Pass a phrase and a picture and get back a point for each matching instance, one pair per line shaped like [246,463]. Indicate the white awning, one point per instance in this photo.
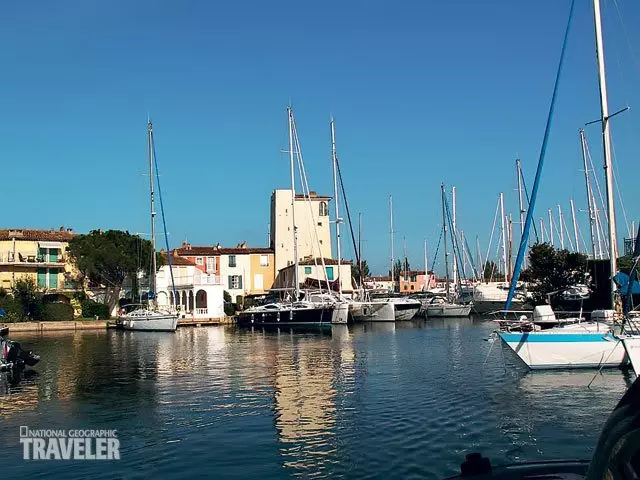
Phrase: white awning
[50,245]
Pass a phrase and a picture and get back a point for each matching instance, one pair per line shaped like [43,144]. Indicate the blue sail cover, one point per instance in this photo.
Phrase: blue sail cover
[622,281]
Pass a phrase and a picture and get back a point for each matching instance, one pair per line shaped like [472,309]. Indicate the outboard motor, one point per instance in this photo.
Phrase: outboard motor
[12,355]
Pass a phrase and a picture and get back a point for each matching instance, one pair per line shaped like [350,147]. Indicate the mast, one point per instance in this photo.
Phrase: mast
[444,241]
[541,230]
[592,217]
[296,283]
[152,287]
[479,258]
[426,267]
[575,225]
[510,269]
[520,202]
[360,248]
[606,142]
[551,227]
[561,220]
[334,160]
[454,236]
[393,285]
[504,235]
[404,253]
[464,257]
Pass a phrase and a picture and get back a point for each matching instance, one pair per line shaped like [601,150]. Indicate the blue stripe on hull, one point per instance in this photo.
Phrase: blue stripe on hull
[556,337]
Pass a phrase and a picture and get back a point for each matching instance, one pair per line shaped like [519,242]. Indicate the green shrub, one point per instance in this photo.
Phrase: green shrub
[13,309]
[58,311]
[91,309]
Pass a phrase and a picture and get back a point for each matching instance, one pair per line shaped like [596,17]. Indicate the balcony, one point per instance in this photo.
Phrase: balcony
[30,260]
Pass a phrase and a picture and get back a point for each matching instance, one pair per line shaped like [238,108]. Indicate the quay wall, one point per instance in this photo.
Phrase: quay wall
[41,327]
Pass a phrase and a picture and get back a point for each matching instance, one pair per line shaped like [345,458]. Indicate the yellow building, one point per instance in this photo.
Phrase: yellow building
[39,254]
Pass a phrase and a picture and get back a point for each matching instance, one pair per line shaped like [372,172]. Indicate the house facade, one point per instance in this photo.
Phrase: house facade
[379,283]
[197,294]
[37,254]
[310,272]
[312,222]
[416,281]
[241,270]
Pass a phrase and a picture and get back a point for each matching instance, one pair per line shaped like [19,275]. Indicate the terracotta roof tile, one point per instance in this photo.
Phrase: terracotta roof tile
[327,261]
[37,235]
[212,251]
[177,261]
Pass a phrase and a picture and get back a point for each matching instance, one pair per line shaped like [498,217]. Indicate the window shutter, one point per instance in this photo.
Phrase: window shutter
[230,282]
[239,281]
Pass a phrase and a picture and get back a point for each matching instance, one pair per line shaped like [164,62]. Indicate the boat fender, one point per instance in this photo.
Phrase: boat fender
[475,464]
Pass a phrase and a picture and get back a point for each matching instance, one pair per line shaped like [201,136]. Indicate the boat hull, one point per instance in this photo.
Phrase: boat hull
[405,311]
[372,312]
[307,316]
[487,306]
[632,348]
[448,311]
[168,323]
[541,351]
[340,313]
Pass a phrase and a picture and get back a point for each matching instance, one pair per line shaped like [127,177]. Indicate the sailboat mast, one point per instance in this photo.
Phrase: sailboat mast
[360,249]
[152,286]
[334,160]
[606,142]
[393,285]
[296,283]
[444,241]
[551,227]
[454,235]
[504,236]
[561,220]
[426,268]
[520,201]
[592,217]
[575,226]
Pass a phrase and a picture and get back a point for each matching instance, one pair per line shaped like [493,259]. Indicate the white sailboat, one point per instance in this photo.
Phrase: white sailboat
[438,306]
[150,317]
[588,344]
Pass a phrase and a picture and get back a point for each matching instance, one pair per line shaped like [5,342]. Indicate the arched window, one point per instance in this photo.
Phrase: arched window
[324,209]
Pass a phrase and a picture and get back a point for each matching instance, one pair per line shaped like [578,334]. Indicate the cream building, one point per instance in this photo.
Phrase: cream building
[310,274]
[38,254]
[312,221]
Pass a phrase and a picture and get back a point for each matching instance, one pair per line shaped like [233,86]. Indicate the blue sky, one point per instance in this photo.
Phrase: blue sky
[421,92]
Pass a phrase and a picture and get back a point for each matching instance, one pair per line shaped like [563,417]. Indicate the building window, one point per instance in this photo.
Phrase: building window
[411,287]
[307,270]
[211,264]
[319,224]
[235,282]
[232,260]
[324,209]
[199,261]
[264,260]
[329,273]
[406,287]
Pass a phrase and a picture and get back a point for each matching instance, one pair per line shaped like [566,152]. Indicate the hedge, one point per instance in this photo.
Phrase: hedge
[90,309]
[57,311]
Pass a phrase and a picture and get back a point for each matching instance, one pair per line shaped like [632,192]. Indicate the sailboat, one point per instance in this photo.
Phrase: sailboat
[313,309]
[585,344]
[150,317]
[438,306]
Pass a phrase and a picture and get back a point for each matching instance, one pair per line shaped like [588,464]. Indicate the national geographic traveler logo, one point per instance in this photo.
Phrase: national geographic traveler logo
[69,444]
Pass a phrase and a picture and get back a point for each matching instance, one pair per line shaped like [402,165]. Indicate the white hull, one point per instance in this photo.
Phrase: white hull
[632,347]
[403,314]
[448,310]
[372,312]
[340,313]
[157,323]
[571,349]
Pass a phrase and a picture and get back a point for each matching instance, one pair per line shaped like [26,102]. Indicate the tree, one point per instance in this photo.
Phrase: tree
[553,270]
[356,274]
[491,272]
[399,267]
[26,294]
[108,258]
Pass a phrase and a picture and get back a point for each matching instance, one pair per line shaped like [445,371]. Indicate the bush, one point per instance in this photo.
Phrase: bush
[13,309]
[58,311]
[90,309]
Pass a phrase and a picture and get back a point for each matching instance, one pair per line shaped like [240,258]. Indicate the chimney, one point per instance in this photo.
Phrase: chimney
[69,230]
[62,228]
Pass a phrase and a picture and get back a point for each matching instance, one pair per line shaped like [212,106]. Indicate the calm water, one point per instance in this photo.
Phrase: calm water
[382,401]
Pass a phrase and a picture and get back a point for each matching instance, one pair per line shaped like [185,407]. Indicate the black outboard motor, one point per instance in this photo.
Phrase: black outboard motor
[12,355]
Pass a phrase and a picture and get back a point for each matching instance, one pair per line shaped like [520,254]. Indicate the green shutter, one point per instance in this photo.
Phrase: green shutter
[230,278]
[240,282]
[330,273]
[42,277]
[53,254]
[53,278]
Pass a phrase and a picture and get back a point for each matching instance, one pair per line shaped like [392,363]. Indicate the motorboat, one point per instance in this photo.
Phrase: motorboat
[12,356]
[404,308]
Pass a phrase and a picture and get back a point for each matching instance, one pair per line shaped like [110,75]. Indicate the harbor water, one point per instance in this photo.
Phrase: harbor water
[404,400]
